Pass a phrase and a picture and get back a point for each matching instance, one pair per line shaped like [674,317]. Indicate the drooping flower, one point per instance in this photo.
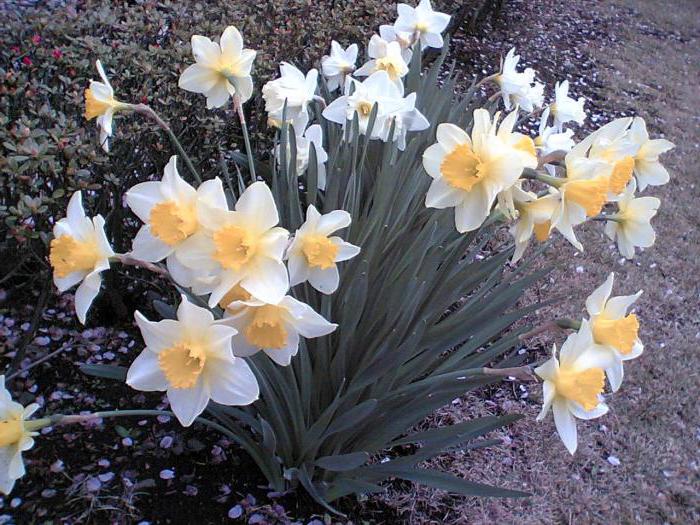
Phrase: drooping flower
[614,329]
[312,137]
[16,436]
[405,40]
[551,139]
[242,246]
[422,21]
[79,252]
[168,209]
[101,104]
[191,359]
[647,167]
[573,384]
[338,65]
[469,172]
[534,218]
[220,70]
[313,254]
[519,88]
[292,88]
[385,56]
[566,109]
[631,225]
[274,328]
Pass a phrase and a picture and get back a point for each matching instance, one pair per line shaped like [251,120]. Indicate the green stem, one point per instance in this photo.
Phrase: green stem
[249,151]
[531,174]
[606,218]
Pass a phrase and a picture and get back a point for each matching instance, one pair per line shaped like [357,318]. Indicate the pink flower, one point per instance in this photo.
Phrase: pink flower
[57,53]
[36,40]
[15,49]
[27,61]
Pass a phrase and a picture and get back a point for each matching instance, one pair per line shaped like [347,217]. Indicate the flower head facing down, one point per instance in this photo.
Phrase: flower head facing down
[573,384]
[220,70]
[566,109]
[470,171]
[78,253]
[550,139]
[101,104]
[191,359]
[337,66]
[422,21]
[313,253]
[16,436]
[312,138]
[647,167]
[614,329]
[519,88]
[534,218]
[274,328]
[290,93]
[631,225]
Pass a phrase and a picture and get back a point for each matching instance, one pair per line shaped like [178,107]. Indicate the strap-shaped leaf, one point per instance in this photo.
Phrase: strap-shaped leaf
[352,417]
[343,462]
[107,371]
[441,480]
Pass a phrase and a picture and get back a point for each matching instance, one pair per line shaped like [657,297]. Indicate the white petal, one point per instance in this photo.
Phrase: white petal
[345,249]
[298,269]
[566,425]
[595,303]
[269,282]
[548,394]
[145,373]
[86,293]
[471,213]
[451,136]
[432,159]
[325,281]
[199,79]
[306,320]
[258,206]
[196,252]
[615,373]
[232,382]
[148,248]
[188,403]
[231,44]
[75,212]
[7,481]
[441,195]
[70,280]
[158,335]
[616,308]
[205,51]
[578,411]
[211,192]
[194,319]
[333,221]
[218,95]
[142,197]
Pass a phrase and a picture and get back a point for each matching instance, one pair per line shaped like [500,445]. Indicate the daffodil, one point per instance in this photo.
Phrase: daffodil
[534,217]
[551,139]
[101,104]
[242,246]
[519,88]
[191,359]
[16,436]
[313,254]
[338,65]
[422,21]
[221,70]
[312,138]
[384,56]
[292,90]
[631,225]
[566,109]
[79,252]
[469,172]
[274,328]
[390,34]
[168,209]
[573,384]
[647,167]
[614,329]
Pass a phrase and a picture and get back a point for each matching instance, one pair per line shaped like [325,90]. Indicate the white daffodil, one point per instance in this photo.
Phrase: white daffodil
[221,70]
[312,255]
[274,328]
[242,246]
[534,217]
[385,56]
[293,88]
[405,40]
[613,329]
[631,225]
[469,172]
[573,384]
[519,89]
[376,89]
[422,21]
[16,436]
[338,65]
[101,104]
[550,139]
[191,359]
[566,109]
[168,209]
[79,252]
[647,168]
[405,119]
[313,137]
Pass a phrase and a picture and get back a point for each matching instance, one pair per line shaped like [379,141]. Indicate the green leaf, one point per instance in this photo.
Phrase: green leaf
[343,462]
[441,480]
[105,371]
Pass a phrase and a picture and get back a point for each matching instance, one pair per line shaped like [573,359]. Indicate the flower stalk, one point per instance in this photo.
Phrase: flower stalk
[238,106]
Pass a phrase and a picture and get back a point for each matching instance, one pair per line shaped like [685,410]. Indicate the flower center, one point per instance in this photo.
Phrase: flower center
[462,168]
[621,334]
[542,230]
[582,386]
[621,175]
[235,247]
[364,108]
[267,329]
[95,107]
[69,255]
[320,252]
[227,69]
[237,293]
[388,65]
[527,145]
[172,223]
[11,431]
[182,364]
[590,194]
[421,26]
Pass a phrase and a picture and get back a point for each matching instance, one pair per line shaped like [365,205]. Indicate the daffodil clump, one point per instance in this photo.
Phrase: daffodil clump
[331,298]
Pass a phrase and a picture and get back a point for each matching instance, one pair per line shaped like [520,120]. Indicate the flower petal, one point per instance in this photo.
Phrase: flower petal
[145,373]
[188,403]
[232,382]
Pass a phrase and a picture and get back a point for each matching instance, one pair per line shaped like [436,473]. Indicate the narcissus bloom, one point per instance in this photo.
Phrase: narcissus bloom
[312,138]
[631,225]
[405,40]
[566,109]
[614,329]
[647,168]
[16,436]
[534,218]
[79,252]
[551,139]
[274,328]
[384,56]
[313,254]
[573,384]
[191,359]
[519,89]
[338,65]
[221,70]
[168,209]
[101,104]
[293,88]
[242,246]
[422,21]
[469,172]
